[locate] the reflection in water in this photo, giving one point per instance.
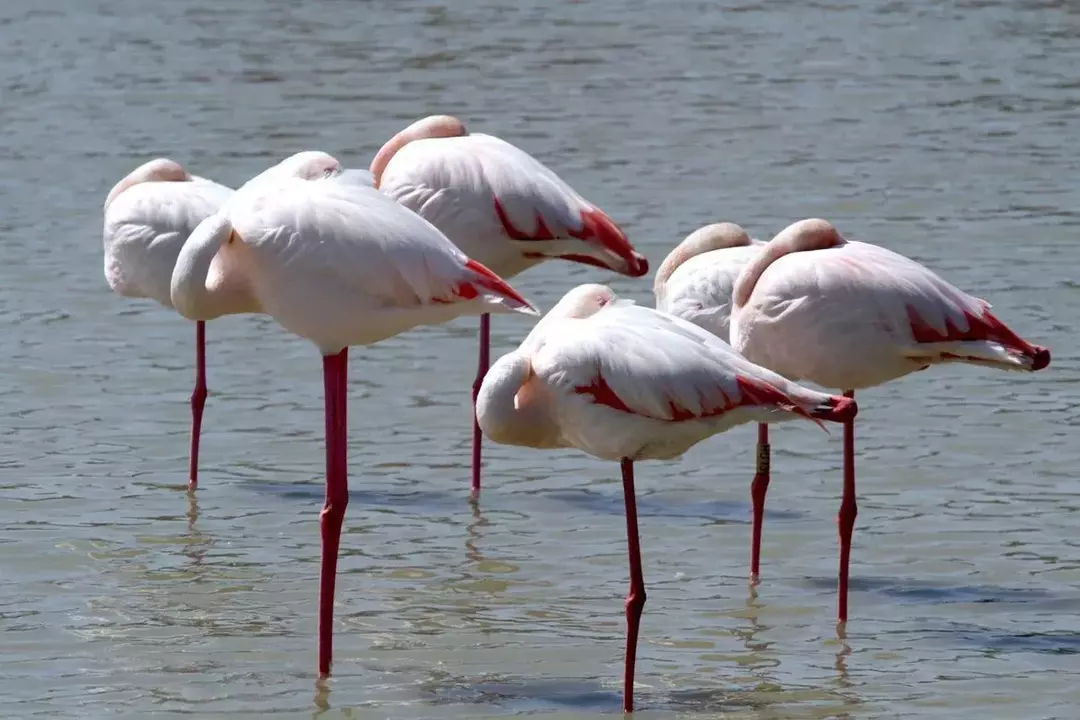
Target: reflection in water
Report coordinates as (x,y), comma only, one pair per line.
(472,553)
(196,544)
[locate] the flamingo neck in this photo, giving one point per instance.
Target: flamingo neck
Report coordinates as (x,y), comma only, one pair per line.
(509,411)
(434,126)
(802,236)
(207,280)
(706,239)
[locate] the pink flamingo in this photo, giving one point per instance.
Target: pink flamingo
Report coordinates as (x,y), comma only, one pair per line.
(499,205)
(340,265)
(148,218)
(695,282)
(815,307)
(626,383)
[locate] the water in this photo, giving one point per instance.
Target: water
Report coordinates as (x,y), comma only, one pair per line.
(945,131)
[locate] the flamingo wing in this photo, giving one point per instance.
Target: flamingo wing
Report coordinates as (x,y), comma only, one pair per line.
(146,226)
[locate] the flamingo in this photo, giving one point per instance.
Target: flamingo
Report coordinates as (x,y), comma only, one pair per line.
(338,264)
(626,383)
(501,206)
(695,282)
(148,216)
(816,307)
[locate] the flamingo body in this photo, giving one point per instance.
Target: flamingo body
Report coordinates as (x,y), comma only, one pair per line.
(630,382)
(146,225)
(503,207)
(855,315)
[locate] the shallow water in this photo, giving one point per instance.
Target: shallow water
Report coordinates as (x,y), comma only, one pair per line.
(946,132)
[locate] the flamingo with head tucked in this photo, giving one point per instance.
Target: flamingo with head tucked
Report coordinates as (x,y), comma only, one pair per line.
(340,265)
(816,307)
(625,383)
(695,283)
(499,205)
(148,218)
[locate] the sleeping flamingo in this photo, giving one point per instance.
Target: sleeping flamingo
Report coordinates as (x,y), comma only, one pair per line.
(815,307)
(340,265)
(499,205)
(148,217)
(626,383)
(695,282)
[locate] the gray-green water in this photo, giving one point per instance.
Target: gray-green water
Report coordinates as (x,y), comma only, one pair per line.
(942,130)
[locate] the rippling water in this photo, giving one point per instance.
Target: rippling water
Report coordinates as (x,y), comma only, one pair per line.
(945,131)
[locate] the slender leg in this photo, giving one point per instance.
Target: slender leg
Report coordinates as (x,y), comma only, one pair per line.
(481,371)
(635,599)
(845,519)
(198,400)
(758,487)
(335,370)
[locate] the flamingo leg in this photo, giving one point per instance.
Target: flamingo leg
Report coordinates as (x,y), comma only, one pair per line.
(481,371)
(635,599)
(335,371)
(758,487)
(845,519)
(198,400)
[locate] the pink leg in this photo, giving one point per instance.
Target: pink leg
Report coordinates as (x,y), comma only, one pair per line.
(198,400)
(635,599)
(845,519)
(758,487)
(481,371)
(335,371)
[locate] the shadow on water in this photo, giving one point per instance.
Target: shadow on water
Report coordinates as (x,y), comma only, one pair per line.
(659,505)
(519,697)
(526,696)
(926,591)
(995,641)
(420,500)
(651,505)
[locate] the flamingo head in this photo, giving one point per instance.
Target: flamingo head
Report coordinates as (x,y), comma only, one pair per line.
(433,126)
(583,301)
(156,170)
(309,165)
